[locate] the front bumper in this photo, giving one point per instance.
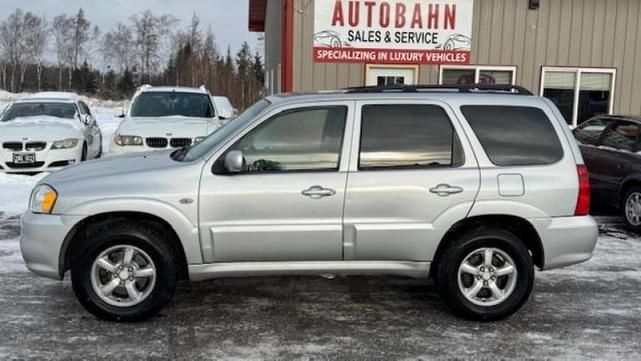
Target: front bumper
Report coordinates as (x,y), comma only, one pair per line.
(41,242)
(566,240)
(47,160)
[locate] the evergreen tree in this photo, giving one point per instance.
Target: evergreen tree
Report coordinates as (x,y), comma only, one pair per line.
(258,70)
(126,84)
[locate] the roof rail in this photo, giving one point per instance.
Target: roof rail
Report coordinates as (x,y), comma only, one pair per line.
(466,88)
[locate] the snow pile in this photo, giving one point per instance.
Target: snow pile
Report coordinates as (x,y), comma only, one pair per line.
(15,191)
(8,97)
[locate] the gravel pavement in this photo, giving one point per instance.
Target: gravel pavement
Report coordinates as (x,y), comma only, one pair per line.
(589,311)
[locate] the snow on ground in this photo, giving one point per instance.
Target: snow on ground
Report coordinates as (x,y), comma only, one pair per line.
(15,191)
(105,111)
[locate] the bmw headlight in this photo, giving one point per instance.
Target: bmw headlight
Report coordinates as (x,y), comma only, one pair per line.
(43,199)
(124,140)
(65,144)
(199,139)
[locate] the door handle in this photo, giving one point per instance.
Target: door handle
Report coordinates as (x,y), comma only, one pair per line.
(444,190)
(318,192)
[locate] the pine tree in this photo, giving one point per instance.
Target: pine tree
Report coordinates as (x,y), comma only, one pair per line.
(126,84)
(258,70)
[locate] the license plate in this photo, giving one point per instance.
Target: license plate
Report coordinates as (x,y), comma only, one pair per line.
(24,158)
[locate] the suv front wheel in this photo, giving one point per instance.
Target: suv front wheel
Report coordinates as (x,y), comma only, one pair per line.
(126,273)
(485,274)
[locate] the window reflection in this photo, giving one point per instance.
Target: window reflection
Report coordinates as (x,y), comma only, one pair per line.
(407,136)
(300,140)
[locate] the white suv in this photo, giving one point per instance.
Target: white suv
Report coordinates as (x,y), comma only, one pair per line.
(46,132)
(473,186)
(166,117)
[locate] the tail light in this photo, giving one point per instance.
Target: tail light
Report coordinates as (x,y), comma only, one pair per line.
(583,202)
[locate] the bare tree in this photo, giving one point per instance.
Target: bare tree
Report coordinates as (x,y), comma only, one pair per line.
(118,46)
(12,40)
(36,36)
(81,36)
(63,35)
(210,55)
(150,32)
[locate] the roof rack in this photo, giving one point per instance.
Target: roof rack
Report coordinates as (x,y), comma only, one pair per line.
(467,88)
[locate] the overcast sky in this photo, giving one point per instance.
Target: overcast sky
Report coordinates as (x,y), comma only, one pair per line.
(228,18)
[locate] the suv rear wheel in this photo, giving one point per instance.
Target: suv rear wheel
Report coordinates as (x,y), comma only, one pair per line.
(126,273)
(485,274)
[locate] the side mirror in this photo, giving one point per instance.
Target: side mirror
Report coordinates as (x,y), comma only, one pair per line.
(120,116)
(234,161)
(87,119)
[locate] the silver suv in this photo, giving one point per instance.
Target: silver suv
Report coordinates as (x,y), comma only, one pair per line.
(473,186)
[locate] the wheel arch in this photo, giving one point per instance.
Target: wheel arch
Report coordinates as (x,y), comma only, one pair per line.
(520,227)
(82,228)
(626,185)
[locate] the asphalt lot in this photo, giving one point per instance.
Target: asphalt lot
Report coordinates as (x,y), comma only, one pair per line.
(589,311)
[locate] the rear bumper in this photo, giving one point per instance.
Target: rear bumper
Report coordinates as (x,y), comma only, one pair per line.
(41,242)
(566,240)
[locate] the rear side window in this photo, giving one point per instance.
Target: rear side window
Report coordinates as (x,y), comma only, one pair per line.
(408,136)
(590,132)
(622,136)
(514,136)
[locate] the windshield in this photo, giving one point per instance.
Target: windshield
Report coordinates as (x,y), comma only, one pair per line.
(199,150)
(168,104)
(23,110)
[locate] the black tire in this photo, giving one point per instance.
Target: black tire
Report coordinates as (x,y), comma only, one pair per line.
(627,195)
(144,238)
(447,273)
(83,157)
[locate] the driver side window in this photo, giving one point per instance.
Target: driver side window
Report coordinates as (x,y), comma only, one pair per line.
(308,139)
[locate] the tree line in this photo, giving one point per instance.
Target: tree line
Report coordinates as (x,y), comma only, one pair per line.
(67,53)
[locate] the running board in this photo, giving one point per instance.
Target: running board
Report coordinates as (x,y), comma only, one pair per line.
(351,268)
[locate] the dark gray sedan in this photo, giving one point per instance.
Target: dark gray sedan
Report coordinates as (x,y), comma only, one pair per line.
(611,149)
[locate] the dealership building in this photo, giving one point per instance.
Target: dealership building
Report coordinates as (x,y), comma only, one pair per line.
(585,55)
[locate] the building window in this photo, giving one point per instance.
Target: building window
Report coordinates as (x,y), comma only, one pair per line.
(475,74)
(579,93)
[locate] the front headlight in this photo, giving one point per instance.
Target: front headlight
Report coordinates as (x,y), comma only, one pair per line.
(124,140)
(199,139)
(43,199)
(65,144)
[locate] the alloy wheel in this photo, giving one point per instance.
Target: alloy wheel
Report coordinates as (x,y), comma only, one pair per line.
(633,209)
(487,277)
(123,276)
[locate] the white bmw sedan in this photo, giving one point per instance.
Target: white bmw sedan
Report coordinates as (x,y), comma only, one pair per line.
(47,132)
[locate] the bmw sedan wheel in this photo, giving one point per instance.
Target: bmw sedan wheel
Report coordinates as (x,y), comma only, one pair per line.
(485,274)
(632,209)
(83,157)
(126,272)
